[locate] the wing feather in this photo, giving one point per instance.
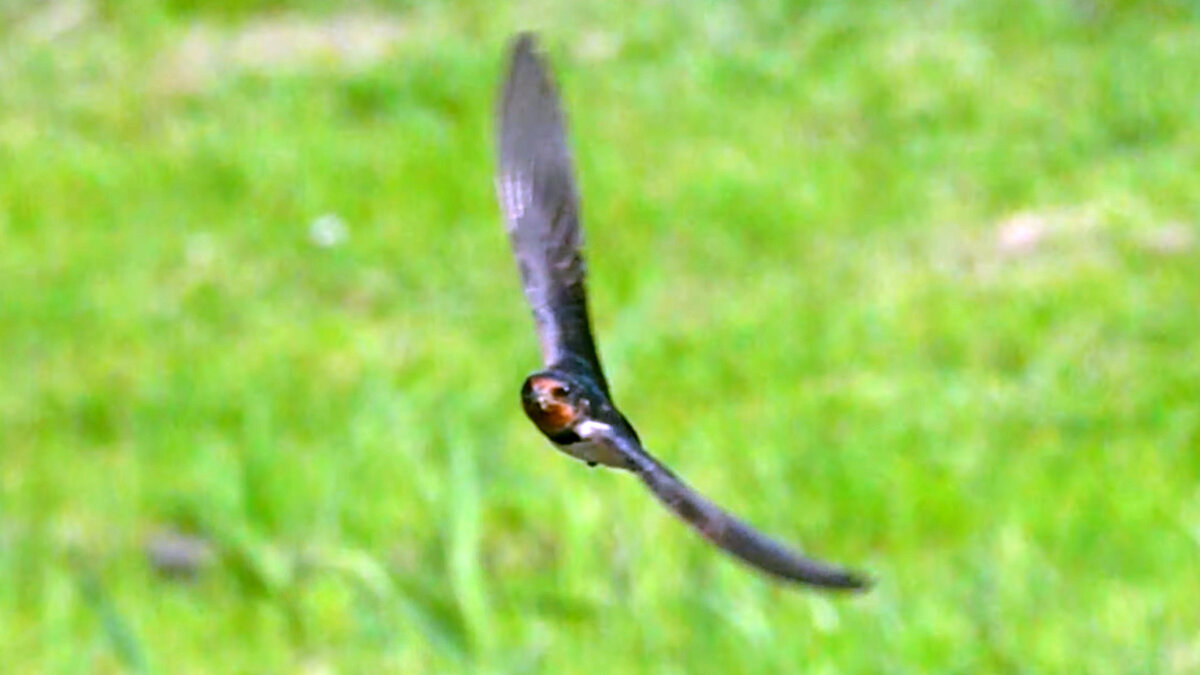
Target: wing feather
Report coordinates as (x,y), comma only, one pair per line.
(726,531)
(535,186)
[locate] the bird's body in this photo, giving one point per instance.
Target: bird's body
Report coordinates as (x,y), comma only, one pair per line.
(569,401)
(592,452)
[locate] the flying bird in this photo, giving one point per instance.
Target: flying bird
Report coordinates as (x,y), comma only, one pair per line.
(569,400)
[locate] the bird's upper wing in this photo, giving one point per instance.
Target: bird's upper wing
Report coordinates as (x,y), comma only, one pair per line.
(536,189)
(726,531)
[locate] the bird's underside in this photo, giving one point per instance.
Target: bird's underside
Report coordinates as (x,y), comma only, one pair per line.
(569,400)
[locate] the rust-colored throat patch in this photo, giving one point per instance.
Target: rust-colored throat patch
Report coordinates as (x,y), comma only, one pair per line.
(547,403)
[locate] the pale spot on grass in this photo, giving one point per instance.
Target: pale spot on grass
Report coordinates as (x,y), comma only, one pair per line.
(200,251)
(1056,243)
(316,666)
(598,45)
(55,19)
(279,45)
(328,231)
(824,614)
(1170,239)
(1021,234)
(1184,658)
(963,53)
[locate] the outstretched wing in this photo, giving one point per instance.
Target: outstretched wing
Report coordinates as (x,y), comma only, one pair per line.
(726,531)
(536,188)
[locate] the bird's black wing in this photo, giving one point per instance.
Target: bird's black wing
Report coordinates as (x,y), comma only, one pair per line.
(536,188)
(726,531)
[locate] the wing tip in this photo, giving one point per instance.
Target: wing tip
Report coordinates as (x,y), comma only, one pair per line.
(524,42)
(528,79)
(523,49)
(843,581)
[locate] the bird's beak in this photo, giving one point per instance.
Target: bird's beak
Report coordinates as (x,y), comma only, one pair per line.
(544,401)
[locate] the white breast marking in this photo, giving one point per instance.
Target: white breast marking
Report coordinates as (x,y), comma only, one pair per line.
(591,428)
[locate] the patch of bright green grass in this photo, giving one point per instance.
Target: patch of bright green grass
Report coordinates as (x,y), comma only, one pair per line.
(915,287)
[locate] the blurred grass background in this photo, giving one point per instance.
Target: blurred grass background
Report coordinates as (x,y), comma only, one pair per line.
(914,284)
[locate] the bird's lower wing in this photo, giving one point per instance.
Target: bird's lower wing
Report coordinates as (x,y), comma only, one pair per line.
(729,533)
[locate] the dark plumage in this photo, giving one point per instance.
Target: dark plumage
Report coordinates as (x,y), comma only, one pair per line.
(569,401)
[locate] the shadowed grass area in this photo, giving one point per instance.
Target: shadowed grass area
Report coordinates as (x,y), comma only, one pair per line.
(915,287)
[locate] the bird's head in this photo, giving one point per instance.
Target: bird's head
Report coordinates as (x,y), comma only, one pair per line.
(556,403)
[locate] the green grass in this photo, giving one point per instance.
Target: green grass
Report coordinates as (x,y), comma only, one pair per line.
(793,214)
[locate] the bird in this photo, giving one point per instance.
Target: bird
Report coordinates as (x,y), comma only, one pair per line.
(569,400)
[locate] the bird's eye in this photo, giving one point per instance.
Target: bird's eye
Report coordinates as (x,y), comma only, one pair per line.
(560,391)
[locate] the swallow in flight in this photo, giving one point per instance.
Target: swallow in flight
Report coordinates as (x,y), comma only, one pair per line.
(569,401)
